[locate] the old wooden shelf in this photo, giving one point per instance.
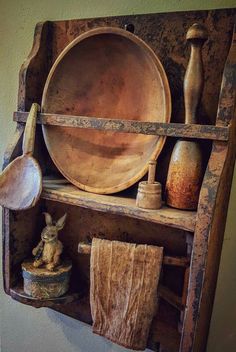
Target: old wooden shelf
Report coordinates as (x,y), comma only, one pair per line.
(192,240)
(120,205)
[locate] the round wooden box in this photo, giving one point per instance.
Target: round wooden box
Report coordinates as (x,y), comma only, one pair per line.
(44,284)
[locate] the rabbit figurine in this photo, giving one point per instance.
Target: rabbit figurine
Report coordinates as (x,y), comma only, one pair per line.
(49,249)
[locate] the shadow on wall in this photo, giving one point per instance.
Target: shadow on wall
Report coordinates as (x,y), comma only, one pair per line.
(79,334)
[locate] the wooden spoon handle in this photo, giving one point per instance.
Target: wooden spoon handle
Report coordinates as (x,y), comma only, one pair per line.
(29,133)
(194,76)
(152,171)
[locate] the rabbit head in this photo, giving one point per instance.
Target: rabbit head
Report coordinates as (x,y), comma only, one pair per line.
(50,232)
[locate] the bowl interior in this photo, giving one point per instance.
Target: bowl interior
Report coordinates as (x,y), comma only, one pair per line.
(110,75)
(20,183)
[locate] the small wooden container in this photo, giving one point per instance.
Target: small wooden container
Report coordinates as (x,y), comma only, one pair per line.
(149,195)
(149,192)
(44,284)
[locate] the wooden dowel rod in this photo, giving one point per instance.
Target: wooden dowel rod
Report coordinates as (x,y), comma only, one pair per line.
(210,132)
(163,292)
(85,248)
(176,261)
(170,297)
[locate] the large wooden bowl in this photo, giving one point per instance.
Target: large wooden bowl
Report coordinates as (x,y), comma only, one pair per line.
(111,73)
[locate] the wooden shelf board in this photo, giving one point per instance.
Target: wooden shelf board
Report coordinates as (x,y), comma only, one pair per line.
(211,132)
(162,330)
(19,295)
(121,206)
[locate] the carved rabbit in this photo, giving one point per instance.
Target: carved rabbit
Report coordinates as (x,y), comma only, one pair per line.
(49,249)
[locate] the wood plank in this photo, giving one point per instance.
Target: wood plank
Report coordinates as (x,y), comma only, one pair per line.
(121,206)
(36,64)
(19,295)
(85,248)
(131,126)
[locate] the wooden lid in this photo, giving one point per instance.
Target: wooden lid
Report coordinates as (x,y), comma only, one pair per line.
(30,272)
(111,73)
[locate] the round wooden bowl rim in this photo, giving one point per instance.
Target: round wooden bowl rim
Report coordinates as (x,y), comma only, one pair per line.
(167,96)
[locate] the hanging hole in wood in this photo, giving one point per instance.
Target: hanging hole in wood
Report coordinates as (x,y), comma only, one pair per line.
(129,27)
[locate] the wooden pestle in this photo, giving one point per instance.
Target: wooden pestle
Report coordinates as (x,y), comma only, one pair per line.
(194,76)
(149,192)
(152,171)
(186,165)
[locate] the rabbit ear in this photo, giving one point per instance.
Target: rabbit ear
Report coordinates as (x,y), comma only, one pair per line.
(48,218)
(61,222)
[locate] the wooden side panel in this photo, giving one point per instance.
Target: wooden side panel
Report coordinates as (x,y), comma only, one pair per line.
(34,71)
(200,246)
(15,146)
(32,77)
(6,246)
(211,219)
(226,115)
(13,150)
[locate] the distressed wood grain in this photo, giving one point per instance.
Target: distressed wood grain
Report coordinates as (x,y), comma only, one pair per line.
(210,132)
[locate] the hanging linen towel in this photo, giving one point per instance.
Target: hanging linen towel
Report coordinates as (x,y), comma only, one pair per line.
(123,290)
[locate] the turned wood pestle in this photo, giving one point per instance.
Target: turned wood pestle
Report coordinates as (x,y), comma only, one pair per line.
(149,192)
(185,172)
(152,171)
(194,76)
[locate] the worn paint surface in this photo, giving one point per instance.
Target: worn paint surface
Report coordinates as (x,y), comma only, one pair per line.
(211,132)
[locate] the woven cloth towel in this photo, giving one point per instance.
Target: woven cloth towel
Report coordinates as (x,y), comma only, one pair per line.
(123,290)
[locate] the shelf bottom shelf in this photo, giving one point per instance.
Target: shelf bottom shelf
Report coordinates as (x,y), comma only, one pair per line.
(163,332)
(18,294)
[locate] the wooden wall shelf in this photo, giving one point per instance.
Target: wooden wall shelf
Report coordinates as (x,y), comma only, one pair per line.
(192,240)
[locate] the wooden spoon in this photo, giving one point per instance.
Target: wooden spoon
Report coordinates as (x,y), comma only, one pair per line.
(21,181)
